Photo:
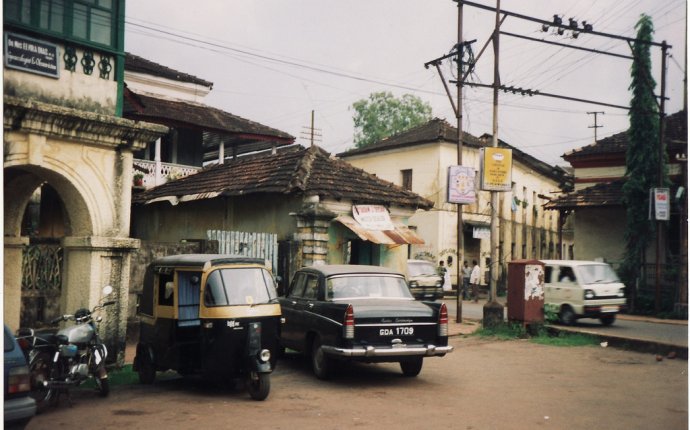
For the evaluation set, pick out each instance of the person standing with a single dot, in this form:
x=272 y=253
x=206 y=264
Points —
x=474 y=280
x=445 y=276
x=466 y=272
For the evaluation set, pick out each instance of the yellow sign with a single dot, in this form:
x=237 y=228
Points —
x=496 y=169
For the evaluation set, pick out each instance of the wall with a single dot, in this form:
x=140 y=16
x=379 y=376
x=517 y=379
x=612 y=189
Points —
x=600 y=233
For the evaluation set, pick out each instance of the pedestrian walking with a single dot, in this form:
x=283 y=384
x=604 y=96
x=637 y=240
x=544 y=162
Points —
x=466 y=272
x=474 y=280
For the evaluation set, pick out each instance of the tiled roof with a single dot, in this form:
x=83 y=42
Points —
x=250 y=135
x=134 y=63
x=438 y=130
x=293 y=170
x=676 y=132
x=603 y=194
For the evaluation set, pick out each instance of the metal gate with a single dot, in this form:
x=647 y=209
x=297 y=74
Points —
x=258 y=245
x=41 y=283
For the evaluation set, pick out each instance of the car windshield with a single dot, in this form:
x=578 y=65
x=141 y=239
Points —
x=241 y=286
x=596 y=274
x=421 y=269
x=367 y=287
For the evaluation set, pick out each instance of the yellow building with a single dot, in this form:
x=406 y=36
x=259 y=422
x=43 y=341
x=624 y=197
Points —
x=419 y=159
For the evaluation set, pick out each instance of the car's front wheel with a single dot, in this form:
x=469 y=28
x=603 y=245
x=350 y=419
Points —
x=412 y=366
x=567 y=315
x=320 y=362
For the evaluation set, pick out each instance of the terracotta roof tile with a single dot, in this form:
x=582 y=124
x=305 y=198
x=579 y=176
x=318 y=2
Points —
x=304 y=171
x=603 y=194
x=134 y=63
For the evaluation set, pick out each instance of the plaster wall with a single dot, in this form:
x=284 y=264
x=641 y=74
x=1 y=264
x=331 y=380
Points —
x=72 y=89
x=595 y=174
x=600 y=233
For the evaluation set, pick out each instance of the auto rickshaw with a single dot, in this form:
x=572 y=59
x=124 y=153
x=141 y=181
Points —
x=210 y=315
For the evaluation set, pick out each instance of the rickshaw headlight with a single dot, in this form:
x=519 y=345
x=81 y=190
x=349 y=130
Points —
x=264 y=355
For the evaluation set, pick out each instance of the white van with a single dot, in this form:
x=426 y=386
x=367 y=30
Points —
x=583 y=289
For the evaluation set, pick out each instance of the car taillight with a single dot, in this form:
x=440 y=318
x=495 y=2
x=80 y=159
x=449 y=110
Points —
x=443 y=320
x=349 y=324
x=18 y=381
x=24 y=343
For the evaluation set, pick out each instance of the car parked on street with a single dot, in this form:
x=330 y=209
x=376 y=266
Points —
x=583 y=289
x=424 y=280
x=20 y=407
x=360 y=313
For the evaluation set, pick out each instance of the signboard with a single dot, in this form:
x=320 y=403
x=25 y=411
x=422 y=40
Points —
x=662 y=207
x=496 y=169
x=481 y=233
x=31 y=55
x=372 y=217
x=461 y=187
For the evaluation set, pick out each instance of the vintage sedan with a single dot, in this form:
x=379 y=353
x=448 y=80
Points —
x=360 y=313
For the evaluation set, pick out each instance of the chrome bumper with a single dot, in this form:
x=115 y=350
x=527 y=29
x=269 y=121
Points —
x=371 y=351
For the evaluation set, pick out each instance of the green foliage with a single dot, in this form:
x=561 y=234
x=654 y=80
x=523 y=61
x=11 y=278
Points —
x=537 y=334
x=122 y=376
x=550 y=313
x=642 y=157
x=383 y=115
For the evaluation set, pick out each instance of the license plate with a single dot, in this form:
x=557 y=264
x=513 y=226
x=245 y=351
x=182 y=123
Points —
x=606 y=309
x=396 y=331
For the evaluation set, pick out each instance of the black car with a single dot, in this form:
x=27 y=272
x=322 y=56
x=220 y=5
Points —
x=360 y=313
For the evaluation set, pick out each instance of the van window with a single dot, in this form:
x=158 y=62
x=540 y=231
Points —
x=597 y=273
x=548 y=270
x=566 y=274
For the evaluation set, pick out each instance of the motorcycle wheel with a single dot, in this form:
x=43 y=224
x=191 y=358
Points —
x=102 y=386
x=40 y=370
x=258 y=385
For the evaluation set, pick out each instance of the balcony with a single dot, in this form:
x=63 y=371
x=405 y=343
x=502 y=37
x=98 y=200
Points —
x=158 y=173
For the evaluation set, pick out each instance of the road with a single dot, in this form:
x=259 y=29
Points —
x=663 y=331
x=483 y=384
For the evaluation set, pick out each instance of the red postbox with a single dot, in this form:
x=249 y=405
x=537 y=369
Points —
x=526 y=291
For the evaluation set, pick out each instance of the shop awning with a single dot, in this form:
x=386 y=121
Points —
x=400 y=235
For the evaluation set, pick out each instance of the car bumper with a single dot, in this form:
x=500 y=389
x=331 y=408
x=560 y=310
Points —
x=19 y=409
x=372 y=351
x=421 y=293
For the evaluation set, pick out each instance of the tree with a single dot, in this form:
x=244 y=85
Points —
x=642 y=157
x=383 y=115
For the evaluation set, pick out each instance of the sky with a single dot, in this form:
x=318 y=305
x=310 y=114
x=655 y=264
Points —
x=274 y=61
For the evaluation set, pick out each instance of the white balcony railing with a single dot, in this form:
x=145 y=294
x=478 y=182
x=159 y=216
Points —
x=165 y=172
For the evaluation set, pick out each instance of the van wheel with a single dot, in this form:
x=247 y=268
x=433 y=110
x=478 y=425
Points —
x=412 y=367
x=608 y=319
x=567 y=316
x=320 y=362
x=259 y=385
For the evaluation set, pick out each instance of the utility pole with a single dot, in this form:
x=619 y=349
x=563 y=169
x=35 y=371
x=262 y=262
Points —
x=660 y=173
x=460 y=251
x=595 y=126
x=493 y=310
x=312 y=134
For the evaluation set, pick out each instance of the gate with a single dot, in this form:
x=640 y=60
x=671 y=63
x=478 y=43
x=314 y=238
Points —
x=41 y=283
x=258 y=245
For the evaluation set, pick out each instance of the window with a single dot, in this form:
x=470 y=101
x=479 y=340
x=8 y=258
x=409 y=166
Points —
x=238 y=287
x=311 y=291
x=92 y=21
x=166 y=289
x=406 y=176
x=297 y=287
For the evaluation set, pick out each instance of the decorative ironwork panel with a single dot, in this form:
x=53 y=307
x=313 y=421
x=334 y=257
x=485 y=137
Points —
x=42 y=268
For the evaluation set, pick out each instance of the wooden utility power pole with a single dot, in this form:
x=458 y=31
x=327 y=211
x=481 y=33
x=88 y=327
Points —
x=596 y=125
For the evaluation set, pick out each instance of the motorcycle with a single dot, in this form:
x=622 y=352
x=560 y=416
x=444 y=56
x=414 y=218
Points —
x=60 y=359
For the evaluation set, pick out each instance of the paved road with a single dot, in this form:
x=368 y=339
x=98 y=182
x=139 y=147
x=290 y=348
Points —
x=626 y=326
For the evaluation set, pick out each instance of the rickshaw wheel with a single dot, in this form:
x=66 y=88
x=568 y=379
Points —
x=258 y=385
x=145 y=369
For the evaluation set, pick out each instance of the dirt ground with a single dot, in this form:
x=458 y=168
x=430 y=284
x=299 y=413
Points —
x=482 y=385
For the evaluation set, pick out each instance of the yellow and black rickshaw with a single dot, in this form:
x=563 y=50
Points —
x=214 y=315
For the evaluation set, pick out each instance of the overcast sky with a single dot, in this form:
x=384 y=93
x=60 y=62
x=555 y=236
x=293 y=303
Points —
x=274 y=61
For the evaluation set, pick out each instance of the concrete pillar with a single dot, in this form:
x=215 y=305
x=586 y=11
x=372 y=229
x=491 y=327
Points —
x=312 y=233
x=12 y=280
x=91 y=263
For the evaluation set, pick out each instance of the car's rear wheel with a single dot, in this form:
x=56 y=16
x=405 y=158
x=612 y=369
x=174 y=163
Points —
x=320 y=362
x=567 y=315
x=412 y=366
x=608 y=319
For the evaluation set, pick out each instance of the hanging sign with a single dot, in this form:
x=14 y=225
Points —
x=496 y=169
x=662 y=207
x=372 y=217
x=31 y=55
x=461 y=189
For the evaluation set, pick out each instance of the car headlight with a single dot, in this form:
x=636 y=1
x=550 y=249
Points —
x=439 y=283
x=589 y=294
x=621 y=292
x=413 y=284
x=264 y=355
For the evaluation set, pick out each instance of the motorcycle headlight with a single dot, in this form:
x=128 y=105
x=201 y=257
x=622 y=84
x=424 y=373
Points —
x=264 y=355
x=589 y=294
